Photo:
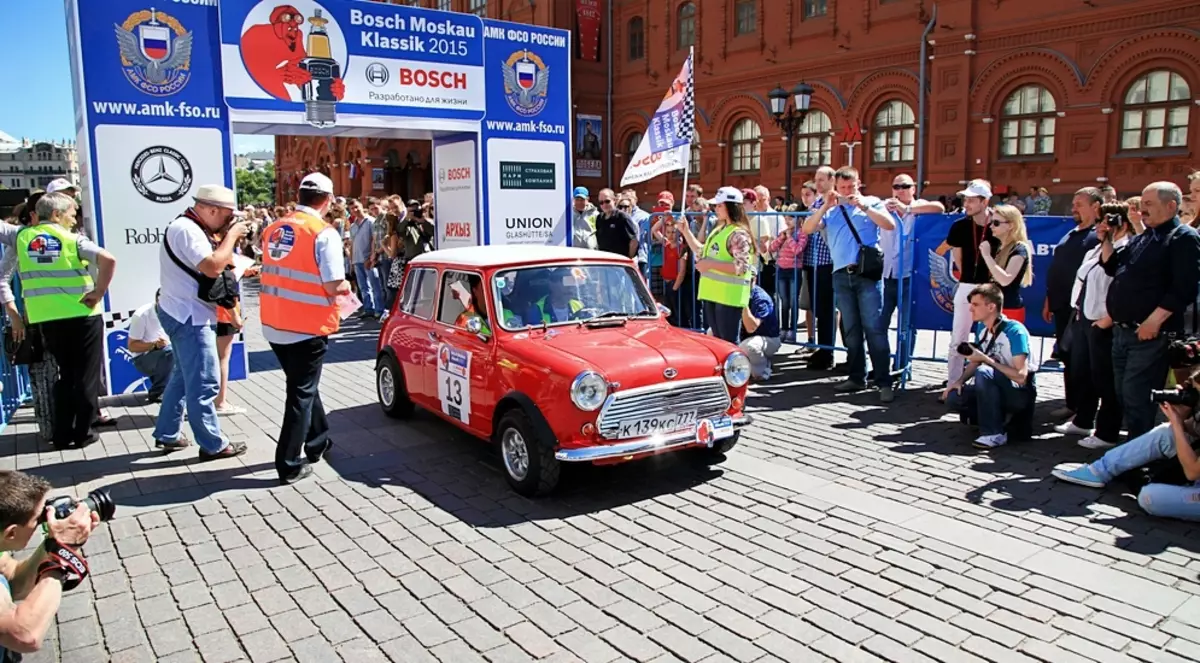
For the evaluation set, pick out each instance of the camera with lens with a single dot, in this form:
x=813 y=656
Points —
x=1113 y=220
x=97 y=500
x=1184 y=353
x=966 y=349
x=1189 y=396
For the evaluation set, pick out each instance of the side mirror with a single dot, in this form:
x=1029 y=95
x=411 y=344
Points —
x=663 y=311
x=475 y=326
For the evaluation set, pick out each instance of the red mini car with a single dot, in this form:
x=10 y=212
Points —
x=559 y=355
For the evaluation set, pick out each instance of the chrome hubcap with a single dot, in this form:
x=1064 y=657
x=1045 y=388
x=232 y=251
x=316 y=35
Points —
x=516 y=454
x=387 y=386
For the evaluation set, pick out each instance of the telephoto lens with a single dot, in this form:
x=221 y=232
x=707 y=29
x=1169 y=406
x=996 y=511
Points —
x=1187 y=397
x=965 y=349
x=98 y=500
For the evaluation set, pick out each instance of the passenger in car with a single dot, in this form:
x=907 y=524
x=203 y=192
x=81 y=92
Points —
x=558 y=305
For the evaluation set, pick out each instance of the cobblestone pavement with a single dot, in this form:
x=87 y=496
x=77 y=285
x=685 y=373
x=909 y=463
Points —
x=838 y=530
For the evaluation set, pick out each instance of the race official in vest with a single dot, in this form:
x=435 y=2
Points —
x=61 y=296
x=191 y=322
x=303 y=274
x=726 y=262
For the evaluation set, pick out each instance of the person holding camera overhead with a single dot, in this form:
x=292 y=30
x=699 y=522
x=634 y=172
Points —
x=196 y=273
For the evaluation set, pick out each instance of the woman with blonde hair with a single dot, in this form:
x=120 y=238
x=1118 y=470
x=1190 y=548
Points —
x=1011 y=268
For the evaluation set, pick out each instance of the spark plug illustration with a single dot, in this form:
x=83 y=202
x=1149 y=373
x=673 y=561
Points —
x=320 y=101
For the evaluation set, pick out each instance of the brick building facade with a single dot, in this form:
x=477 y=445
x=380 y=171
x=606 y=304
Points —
x=1056 y=93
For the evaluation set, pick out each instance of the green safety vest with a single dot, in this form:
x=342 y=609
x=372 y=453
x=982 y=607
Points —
x=727 y=289
x=574 y=305
x=53 y=276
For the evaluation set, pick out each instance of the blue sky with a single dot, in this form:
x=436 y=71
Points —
x=36 y=77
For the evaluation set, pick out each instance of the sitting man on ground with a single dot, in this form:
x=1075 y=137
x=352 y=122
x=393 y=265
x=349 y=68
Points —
x=760 y=332
x=999 y=362
x=151 y=349
x=1176 y=438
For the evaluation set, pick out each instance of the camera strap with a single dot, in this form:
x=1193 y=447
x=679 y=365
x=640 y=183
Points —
x=1000 y=327
x=66 y=560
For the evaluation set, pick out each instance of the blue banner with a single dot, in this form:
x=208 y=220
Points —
x=934 y=284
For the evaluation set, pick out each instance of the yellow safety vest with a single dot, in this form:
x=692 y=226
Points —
x=573 y=305
x=728 y=289
x=53 y=276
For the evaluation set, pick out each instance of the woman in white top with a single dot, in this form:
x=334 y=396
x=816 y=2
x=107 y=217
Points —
x=1090 y=341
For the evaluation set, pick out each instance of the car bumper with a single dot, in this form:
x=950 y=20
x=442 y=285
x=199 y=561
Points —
x=644 y=445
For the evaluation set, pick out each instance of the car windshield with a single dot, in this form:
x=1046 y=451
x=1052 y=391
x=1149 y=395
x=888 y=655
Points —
x=556 y=294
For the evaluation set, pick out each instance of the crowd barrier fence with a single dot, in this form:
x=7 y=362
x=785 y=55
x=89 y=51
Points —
x=14 y=380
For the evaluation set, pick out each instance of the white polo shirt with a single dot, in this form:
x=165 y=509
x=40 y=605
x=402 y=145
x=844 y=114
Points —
x=179 y=290
x=145 y=327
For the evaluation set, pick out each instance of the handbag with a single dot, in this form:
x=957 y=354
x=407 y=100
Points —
x=223 y=290
x=29 y=351
x=870 y=259
x=395 y=274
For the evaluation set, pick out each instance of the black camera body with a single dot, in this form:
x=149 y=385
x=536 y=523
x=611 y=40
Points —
x=966 y=349
x=97 y=500
x=1184 y=353
x=1189 y=396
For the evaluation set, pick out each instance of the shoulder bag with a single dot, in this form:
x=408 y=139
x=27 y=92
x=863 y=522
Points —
x=870 y=259
x=222 y=290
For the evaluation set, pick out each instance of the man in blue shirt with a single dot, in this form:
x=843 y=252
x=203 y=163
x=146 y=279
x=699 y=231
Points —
x=760 y=332
x=859 y=298
x=999 y=361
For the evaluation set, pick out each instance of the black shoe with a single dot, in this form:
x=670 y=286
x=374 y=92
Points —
x=153 y=398
x=320 y=455
x=104 y=421
x=168 y=447
x=87 y=441
x=231 y=450
x=301 y=474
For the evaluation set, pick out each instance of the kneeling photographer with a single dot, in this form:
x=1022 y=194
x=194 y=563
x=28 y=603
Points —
x=1174 y=439
x=56 y=566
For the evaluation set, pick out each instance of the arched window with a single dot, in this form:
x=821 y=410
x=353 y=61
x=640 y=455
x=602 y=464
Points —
x=694 y=157
x=813 y=142
x=631 y=145
x=1027 y=122
x=894 y=137
x=745 y=146
x=685 y=33
x=637 y=38
x=1155 y=113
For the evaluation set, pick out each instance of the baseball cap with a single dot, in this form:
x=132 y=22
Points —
x=977 y=189
x=581 y=192
x=666 y=196
x=727 y=194
x=317 y=182
x=60 y=184
x=749 y=195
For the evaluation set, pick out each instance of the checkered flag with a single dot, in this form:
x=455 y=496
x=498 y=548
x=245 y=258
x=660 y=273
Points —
x=687 y=125
x=667 y=143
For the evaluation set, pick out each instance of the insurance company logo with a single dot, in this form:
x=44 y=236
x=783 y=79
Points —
x=280 y=242
x=156 y=52
x=526 y=79
x=378 y=74
x=161 y=174
x=45 y=248
x=942 y=281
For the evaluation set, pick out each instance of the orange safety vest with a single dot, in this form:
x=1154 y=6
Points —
x=293 y=296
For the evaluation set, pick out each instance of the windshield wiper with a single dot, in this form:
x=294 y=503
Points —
x=608 y=318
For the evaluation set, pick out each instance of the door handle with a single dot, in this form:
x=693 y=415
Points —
x=433 y=336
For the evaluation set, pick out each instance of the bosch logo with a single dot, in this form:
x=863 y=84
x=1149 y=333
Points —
x=458 y=174
x=377 y=74
x=433 y=78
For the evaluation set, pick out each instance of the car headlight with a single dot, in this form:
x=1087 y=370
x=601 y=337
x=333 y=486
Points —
x=737 y=369
x=588 y=391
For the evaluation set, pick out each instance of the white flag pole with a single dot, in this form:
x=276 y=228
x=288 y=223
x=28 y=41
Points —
x=687 y=164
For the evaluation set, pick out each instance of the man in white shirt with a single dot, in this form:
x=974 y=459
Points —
x=897 y=270
x=766 y=225
x=190 y=322
x=151 y=349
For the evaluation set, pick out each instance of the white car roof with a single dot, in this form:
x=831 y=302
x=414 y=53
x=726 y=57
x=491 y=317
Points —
x=504 y=255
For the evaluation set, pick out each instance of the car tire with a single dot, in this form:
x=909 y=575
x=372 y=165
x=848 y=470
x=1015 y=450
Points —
x=390 y=389
x=715 y=455
x=521 y=448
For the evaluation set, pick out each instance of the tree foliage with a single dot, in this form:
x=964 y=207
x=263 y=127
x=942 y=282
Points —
x=256 y=186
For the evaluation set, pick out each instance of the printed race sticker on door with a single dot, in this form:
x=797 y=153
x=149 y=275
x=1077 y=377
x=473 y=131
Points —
x=454 y=382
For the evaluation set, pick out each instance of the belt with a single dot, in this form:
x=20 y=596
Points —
x=848 y=269
x=1126 y=325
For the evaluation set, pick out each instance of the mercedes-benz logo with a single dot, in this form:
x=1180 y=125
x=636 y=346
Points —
x=161 y=174
x=377 y=74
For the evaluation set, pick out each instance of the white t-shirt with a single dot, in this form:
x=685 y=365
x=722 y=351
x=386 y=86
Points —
x=145 y=327
x=332 y=267
x=179 y=297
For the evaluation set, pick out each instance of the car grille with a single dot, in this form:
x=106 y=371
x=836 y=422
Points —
x=707 y=396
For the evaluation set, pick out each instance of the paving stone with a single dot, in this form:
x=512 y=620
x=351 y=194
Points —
x=219 y=647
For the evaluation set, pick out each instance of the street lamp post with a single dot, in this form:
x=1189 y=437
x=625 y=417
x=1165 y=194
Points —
x=789 y=119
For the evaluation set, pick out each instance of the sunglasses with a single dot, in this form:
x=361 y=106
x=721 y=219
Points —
x=997 y=223
x=896 y=187
x=623 y=207
x=606 y=201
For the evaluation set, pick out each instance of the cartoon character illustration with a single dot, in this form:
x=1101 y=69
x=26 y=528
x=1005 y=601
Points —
x=274 y=52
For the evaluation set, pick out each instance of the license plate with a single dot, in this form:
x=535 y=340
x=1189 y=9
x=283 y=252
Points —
x=647 y=426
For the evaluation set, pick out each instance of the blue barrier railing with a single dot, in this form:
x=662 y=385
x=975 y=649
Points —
x=15 y=379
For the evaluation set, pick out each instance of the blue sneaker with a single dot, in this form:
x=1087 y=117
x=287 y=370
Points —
x=1082 y=475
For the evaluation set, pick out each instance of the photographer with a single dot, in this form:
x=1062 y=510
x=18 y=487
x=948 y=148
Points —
x=39 y=580
x=999 y=360
x=1172 y=439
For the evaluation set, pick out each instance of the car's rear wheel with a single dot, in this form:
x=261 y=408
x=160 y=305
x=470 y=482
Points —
x=715 y=455
x=391 y=390
x=528 y=458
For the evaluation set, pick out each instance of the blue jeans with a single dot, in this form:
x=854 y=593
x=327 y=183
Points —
x=725 y=321
x=1157 y=499
x=891 y=299
x=369 y=287
x=1138 y=367
x=788 y=296
x=158 y=366
x=996 y=397
x=388 y=296
x=195 y=377
x=860 y=301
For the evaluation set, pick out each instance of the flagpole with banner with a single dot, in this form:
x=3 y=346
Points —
x=667 y=144
x=687 y=168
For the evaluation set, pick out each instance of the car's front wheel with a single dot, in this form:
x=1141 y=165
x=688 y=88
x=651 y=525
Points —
x=391 y=390
x=528 y=458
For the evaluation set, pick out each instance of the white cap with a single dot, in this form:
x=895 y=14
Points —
x=217 y=196
x=317 y=182
x=977 y=189
x=727 y=194
x=60 y=184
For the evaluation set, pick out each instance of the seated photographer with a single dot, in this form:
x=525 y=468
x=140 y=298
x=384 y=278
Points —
x=760 y=332
x=54 y=567
x=999 y=362
x=1172 y=439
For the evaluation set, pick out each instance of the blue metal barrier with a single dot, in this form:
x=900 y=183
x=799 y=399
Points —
x=13 y=379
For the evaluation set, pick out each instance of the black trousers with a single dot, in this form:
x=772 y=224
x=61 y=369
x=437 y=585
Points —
x=1095 y=388
x=766 y=278
x=820 y=283
x=1062 y=320
x=305 y=428
x=78 y=347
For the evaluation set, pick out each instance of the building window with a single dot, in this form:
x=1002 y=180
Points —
x=813 y=141
x=694 y=158
x=444 y=5
x=746 y=146
x=894 y=134
x=1027 y=123
x=478 y=7
x=686 y=26
x=631 y=145
x=746 y=17
x=637 y=38
x=814 y=8
x=1155 y=114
